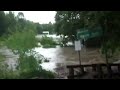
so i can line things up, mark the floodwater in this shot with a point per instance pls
(58, 57)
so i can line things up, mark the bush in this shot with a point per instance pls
(47, 42)
(49, 46)
(6, 73)
(47, 74)
(22, 41)
(40, 74)
(28, 66)
(28, 63)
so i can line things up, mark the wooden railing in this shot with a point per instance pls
(95, 68)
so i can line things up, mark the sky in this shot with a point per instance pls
(42, 17)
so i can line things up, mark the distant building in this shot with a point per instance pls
(45, 32)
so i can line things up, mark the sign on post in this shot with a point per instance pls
(77, 45)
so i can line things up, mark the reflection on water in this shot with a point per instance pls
(58, 57)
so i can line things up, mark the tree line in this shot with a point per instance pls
(10, 23)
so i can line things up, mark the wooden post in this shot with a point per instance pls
(109, 71)
(79, 57)
(99, 70)
(82, 69)
(71, 73)
(93, 67)
(119, 68)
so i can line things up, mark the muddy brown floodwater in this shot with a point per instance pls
(61, 56)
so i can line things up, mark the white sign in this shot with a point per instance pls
(77, 45)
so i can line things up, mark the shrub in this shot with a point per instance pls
(22, 43)
(47, 42)
(6, 73)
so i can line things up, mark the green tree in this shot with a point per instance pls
(22, 42)
(39, 28)
(20, 15)
(21, 22)
(11, 22)
(3, 24)
(45, 27)
(67, 23)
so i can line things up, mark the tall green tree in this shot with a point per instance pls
(3, 23)
(45, 27)
(67, 23)
(11, 22)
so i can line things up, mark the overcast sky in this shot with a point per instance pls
(39, 16)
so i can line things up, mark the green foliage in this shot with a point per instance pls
(45, 27)
(21, 41)
(19, 35)
(43, 74)
(49, 46)
(68, 22)
(6, 73)
(47, 42)
(28, 63)
(3, 23)
(11, 22)
(28, 68)
(47, 74)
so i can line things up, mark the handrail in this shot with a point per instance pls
(90, 65)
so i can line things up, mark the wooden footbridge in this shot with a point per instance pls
(97, 71)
